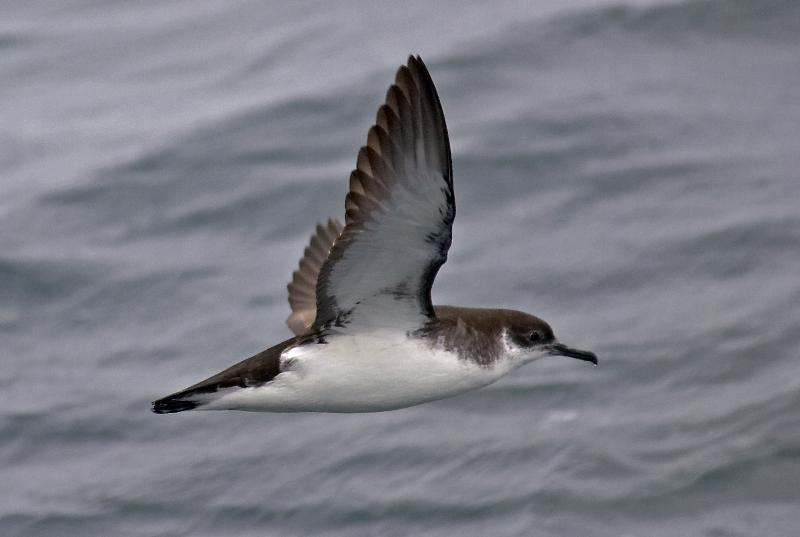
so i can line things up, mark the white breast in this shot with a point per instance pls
(364, 373)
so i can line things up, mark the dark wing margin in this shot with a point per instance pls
(303, 287)
(398, 213)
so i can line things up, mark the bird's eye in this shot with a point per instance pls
(535, 337)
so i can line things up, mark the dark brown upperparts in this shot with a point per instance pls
(474, 333)
(252, 371)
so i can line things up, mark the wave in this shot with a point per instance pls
(768, 20)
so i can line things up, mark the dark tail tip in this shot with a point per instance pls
(171, 405)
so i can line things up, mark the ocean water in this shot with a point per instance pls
(630, 171)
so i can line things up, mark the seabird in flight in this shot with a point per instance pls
(367, 337)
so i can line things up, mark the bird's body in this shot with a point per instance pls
(367, 336)
(382, 370)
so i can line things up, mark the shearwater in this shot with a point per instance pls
(367, 337)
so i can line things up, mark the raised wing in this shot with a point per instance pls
(399, 213)
(303, 287)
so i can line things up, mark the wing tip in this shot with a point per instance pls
(418, 69)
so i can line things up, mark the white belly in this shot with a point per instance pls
(365, 374)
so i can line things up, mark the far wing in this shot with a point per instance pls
(303, 287)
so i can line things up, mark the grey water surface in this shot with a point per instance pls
(630, 171)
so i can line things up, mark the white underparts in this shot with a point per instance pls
(375, 371)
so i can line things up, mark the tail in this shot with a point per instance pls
(172, 404)
(187, 399)
(254, 371)
(192, 397)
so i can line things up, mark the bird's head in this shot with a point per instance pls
(528, 338)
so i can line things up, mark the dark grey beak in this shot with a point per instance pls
(559, 349)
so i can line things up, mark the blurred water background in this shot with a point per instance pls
(627, 170)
